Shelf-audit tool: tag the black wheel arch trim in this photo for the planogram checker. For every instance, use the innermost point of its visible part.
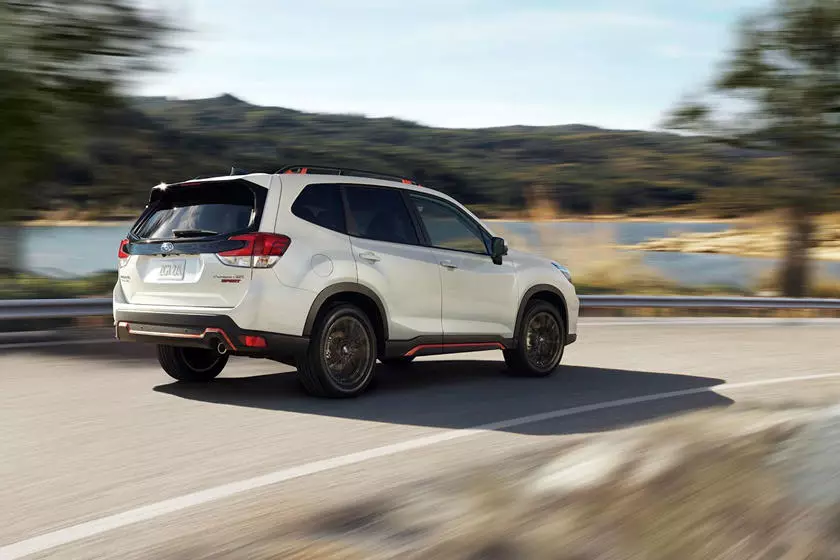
(342, 288)
(528, 296)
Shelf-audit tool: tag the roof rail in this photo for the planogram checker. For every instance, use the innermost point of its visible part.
(328, 170)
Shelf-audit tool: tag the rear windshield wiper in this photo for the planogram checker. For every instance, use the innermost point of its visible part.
(193, 232)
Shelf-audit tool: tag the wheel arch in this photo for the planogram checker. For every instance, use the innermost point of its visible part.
(548, 293)
(359, 295)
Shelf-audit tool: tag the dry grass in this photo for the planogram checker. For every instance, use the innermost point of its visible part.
(600, 264)
(597, 263)
(823, 286)
(764, 235)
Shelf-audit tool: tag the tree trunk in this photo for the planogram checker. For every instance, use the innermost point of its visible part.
(795, 274)
(11, 260)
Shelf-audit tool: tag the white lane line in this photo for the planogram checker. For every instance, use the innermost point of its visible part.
(81, 531)
(717, 321)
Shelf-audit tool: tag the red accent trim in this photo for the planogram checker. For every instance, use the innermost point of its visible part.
(224, 335)
(488, 345)
(179, 335)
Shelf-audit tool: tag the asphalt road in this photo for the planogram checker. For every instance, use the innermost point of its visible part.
(102, 456)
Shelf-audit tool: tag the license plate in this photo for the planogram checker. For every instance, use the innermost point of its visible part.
(171, 270)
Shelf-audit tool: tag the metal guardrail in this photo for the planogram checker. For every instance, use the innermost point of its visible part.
(101, 307)
(54, 308)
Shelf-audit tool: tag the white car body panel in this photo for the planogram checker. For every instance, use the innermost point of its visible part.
(479, 297)
(407, 280)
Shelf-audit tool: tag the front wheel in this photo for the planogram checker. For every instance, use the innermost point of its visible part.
(194, 365)
(342, 354)
(541, 341)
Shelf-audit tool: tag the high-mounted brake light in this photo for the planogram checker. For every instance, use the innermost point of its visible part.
(122, 254)
(261, 250)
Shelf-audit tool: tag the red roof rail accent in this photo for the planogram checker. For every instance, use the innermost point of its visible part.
(345, 171)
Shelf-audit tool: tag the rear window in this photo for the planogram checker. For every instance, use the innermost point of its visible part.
(202, 210)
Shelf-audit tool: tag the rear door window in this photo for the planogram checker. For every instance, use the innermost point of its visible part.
(202, 210)
(379, 213)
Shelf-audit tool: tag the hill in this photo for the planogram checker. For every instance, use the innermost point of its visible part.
(581, 169)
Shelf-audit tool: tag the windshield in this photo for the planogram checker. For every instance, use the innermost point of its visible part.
(203, 210)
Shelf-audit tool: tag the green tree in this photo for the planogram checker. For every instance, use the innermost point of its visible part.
(61, 65)
(779, 92)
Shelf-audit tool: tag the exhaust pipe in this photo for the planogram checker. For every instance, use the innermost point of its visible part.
(221, 348)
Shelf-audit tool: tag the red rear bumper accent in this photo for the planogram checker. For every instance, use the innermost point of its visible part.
(197, 336)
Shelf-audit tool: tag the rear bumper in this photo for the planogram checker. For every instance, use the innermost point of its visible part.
(205, 331)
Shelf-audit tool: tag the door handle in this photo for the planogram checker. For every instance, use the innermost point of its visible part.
(448, 264)
(369, 256)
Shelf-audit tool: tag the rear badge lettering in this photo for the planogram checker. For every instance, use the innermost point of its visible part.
(230, 279)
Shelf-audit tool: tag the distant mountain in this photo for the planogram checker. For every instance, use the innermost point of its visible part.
(584, 169)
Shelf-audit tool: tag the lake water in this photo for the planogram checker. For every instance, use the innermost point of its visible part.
(79, 250)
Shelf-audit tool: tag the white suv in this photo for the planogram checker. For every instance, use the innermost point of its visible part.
(329, 270)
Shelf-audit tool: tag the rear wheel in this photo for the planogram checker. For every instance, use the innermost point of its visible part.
(342, 354)
(191, 364)
(541, 341)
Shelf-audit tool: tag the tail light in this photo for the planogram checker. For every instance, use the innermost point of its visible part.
(122, 254)
(261, 250)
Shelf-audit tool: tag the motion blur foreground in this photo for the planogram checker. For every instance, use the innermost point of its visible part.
(691, 420)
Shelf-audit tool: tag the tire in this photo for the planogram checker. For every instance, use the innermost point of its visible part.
(542, 360)
(342, 339)
(192, 365)
(398, 361)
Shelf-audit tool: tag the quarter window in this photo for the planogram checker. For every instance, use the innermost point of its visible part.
(379, 213)
(321, 205)
(447, 227)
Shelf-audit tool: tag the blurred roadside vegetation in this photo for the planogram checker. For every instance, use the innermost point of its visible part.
(64, 67)
(24, 286)
(778, 95)
(583, 170)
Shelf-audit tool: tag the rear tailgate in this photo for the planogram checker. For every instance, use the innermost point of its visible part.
(173, 249)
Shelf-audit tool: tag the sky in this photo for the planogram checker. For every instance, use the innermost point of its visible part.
(453, 63)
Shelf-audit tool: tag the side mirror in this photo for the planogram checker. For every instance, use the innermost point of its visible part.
(498, 249)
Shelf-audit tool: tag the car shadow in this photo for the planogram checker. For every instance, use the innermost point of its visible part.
(467, 394)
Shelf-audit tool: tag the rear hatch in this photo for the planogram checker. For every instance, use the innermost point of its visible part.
(194, 245)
